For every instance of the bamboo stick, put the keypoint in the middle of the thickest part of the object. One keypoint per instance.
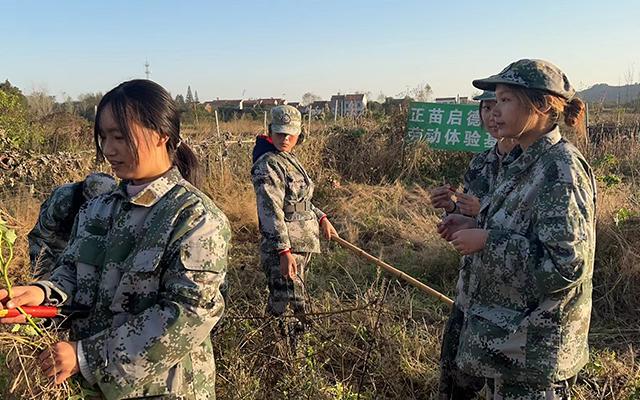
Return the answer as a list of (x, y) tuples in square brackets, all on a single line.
[(394, 271)]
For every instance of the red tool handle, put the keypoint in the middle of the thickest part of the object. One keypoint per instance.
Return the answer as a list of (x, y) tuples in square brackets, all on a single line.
[(34, 311)]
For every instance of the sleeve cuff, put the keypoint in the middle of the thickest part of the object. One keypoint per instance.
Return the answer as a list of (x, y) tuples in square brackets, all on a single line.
[(52, 295), (83, 365), (285, 251), (322, 218)]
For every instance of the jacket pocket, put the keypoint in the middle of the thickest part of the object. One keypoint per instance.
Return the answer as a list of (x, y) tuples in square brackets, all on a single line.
[(496, 335), (307, 215), (89, 260), (139, 284)]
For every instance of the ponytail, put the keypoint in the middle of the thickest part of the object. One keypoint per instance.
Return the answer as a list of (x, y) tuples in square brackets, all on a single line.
[(187, 163), (574, 115), (541, 102)]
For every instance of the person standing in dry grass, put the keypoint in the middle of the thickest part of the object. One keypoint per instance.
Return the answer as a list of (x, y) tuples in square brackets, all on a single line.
[(479, 182), (147, 260), (289, 222), (526, 324), (51, 233)]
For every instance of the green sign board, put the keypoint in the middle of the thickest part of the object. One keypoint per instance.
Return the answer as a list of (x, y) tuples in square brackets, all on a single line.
[(448, 127)]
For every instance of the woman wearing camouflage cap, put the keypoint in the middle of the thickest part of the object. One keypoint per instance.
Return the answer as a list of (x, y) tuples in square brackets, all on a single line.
[(527, 320), (146, 259), (289, 222), (482, 170), (479, 182)]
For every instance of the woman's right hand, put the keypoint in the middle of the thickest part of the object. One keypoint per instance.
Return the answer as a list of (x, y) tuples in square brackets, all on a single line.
[(288, 266), (468, 204), (453, 223), (22, 296), (441, 197)]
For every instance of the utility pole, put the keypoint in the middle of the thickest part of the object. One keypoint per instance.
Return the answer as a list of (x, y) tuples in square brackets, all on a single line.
[(147, 71)]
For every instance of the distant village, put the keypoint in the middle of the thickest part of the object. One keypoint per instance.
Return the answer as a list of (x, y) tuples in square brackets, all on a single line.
[(340, 105)]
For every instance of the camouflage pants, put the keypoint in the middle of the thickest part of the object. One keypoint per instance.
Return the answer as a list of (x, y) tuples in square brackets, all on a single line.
[(283, 290), (454, 384), (497, 389)]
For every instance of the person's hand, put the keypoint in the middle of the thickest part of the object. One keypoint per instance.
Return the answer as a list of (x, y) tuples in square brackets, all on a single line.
[(468, 204), (60, 361), (469, 241), (327, 229), (441, 198), (452, 223), (22, 296), (288, 266)]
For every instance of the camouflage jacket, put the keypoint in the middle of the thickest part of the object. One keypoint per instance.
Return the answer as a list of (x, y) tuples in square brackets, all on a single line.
[(530, 287), (52, 230), (150, 269), (288, 219), (50, 235), (479, 181)]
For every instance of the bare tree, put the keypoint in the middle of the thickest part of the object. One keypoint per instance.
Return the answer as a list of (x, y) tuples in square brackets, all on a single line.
[(40, 103), (422, 92), (629, 80), (309, 98)]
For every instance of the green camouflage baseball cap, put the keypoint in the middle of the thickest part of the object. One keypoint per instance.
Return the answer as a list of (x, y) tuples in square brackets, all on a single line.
[(531, 74), (486, 95), (96, 184), (286, 119)]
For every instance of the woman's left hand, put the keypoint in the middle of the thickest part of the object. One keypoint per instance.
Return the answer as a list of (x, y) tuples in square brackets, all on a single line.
[(327, 229), (469, 241), (60, 361)]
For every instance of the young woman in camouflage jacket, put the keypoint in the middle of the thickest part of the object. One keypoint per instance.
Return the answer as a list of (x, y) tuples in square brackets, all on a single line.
[(290, 223), (147, 260), (479, 182), (527, 320)]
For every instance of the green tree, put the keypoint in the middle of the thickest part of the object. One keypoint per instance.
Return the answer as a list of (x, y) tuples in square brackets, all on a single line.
[(182, 105), (7, 87), (189, 98), (14, 118)]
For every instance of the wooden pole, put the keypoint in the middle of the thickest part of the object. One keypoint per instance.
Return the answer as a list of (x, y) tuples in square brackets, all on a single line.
[(265, 123), (217, 122), (221, 144), (399, 274)]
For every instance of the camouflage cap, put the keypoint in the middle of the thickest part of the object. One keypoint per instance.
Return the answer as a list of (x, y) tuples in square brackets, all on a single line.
[(286, 119), (531, 74), (96, 184), (486, 95)]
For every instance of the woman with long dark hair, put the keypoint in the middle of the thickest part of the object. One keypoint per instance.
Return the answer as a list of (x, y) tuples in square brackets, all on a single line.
[(147, 260)]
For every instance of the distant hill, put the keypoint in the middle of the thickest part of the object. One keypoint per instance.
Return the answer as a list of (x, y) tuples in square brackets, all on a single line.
[(610, 94)]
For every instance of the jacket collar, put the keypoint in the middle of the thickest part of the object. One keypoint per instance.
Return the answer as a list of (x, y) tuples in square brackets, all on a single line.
[(509, 177), (151, 194)]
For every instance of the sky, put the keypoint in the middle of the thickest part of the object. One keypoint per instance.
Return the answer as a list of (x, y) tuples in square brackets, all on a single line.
[(285, 48)]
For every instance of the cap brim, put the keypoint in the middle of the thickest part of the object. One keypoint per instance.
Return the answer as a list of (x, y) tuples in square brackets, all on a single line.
[(487, 83), (485, 96), (287, 129)]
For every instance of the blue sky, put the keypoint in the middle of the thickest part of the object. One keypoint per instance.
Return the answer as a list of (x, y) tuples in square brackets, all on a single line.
[(274, 48)]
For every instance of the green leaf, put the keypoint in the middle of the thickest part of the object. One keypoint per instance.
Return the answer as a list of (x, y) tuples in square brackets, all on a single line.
[(10, 236)]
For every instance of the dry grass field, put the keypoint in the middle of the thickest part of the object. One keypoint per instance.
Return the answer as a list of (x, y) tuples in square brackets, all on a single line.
[(373, 337)]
